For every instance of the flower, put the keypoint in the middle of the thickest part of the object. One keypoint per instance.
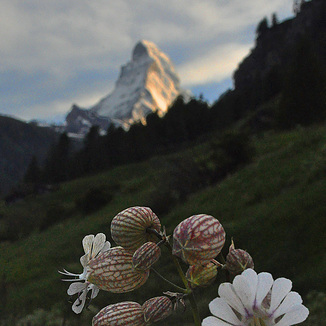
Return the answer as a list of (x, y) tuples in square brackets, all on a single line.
[(113, 271), (120, 314), (256, 300), (199, 275), (156, 309), (237, 260), (93, 246), (146, 256), (198, 239), (129, 227)]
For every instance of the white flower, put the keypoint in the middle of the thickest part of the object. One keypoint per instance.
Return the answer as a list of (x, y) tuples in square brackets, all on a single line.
[(256, 300), (92, 247)]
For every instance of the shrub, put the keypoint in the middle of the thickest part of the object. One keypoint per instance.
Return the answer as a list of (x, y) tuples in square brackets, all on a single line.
[(93, 199)]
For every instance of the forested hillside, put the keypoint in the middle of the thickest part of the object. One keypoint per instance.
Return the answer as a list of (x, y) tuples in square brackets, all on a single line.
[(19, 142), (273, 207)]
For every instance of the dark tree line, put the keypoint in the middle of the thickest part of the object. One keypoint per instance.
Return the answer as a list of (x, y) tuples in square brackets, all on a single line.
[(183, 123)]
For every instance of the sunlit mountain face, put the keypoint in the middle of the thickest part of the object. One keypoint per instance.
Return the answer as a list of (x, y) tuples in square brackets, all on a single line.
[(147, 83)]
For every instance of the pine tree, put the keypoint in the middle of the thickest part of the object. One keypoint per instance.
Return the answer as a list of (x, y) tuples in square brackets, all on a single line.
[(303, 96), (262, 27)]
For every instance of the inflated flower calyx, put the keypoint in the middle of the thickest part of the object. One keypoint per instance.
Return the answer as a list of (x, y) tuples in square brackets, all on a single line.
[(157, 308), (237, 260), (199, 275), (145, 256), (113, 271), (120, 314), (128, 228), (198, 239)]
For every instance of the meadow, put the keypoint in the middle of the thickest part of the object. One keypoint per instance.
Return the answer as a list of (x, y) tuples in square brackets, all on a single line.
[(274, 207)]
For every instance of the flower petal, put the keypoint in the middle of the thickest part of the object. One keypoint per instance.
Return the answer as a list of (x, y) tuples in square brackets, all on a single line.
[(281, 287), (76, 288), (98, 244), (222, 310), (213, 321), (265, 282), (226, 291), (244, 292), (88, 243), (106, 247), (252, 279), (298, 314), (291, 300), (95, 290), (84, 260), (79, 304)]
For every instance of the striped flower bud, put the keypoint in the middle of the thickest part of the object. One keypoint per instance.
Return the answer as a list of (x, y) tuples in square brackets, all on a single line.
[(156, 309), (128, 228), (198, 239), (237, 260), (145, 256), (113, 271), (120, 314), (199, 275)]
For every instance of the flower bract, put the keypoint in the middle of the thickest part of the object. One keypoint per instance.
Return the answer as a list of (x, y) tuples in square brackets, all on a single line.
[(198, 239), (120, 314), (129, 227), (237, 260), (156, 309), (256, 300), (113, 271)]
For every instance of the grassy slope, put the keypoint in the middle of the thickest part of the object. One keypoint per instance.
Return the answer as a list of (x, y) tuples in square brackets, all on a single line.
[(275, 208)]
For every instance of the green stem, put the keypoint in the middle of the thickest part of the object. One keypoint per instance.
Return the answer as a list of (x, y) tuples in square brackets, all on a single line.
[(194, 308), (193, 304), (189, 291), (182, 290)]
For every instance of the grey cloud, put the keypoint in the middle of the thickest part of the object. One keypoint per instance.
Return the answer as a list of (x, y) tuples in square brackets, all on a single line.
[(66, 39)]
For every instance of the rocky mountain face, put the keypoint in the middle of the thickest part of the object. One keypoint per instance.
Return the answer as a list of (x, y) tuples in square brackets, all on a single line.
[(148, 83)]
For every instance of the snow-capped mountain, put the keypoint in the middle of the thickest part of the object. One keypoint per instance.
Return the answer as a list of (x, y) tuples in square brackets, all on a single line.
[(148, 83)]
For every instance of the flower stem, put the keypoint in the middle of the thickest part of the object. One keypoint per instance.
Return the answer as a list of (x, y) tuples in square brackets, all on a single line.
[(194, 308), (182, 290), (193, 304), (188, 290)]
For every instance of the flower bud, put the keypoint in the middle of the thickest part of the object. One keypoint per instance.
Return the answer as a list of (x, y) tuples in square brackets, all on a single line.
[(156, 309), (120, 314), (198, 239), (113, 271), (237, 260), (199, 275), (128, 228), (145, 256)]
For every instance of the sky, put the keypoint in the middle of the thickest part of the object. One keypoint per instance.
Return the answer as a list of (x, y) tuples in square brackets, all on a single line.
[(55, 53)]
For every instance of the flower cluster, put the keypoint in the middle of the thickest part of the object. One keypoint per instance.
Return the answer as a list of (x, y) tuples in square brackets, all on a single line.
[(252, 300)]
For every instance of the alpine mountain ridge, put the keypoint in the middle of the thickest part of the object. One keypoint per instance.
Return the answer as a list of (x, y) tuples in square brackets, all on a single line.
[(147, 83)]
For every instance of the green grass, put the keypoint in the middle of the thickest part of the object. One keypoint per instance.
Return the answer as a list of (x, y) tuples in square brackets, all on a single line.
[(275, 208)]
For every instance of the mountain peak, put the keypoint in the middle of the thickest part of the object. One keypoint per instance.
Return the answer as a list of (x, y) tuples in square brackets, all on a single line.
[(146, 48), (147, 83)]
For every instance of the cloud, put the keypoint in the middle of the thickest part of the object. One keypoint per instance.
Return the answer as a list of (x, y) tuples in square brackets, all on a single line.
[(69, 43), (60, 107), (213, 66)]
